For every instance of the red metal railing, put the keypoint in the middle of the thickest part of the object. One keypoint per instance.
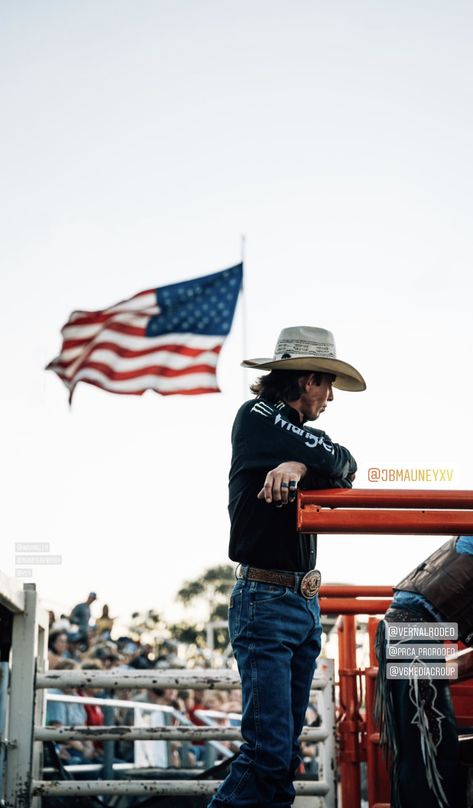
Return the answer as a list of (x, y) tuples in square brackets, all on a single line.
[(338, 510), (367, 511), (343, 599)]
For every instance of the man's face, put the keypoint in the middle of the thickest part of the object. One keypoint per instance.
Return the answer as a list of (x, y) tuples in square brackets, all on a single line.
[(315, 397)]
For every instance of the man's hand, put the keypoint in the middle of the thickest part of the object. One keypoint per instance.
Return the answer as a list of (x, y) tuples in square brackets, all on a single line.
[(280, 485)]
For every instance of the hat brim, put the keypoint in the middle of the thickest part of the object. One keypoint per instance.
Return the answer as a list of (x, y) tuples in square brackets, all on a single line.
[(347, 377)]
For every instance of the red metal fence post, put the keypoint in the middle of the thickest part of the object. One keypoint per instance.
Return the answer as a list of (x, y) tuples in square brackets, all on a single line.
[(350, 722), (377, 775)]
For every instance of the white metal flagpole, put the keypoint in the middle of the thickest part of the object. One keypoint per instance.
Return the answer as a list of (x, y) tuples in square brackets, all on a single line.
[(244, 317)]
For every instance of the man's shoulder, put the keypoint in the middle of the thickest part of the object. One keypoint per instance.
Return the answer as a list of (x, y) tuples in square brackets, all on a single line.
[(255, 407), (314, 431)]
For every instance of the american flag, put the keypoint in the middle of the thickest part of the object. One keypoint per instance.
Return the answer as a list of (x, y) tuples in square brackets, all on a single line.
[(166, 339)]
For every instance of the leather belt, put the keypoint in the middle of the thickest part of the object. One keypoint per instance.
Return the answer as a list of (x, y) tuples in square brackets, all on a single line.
[(308, 584)]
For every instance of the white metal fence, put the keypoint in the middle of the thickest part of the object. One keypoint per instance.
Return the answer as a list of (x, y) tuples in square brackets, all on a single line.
[(22, 706)]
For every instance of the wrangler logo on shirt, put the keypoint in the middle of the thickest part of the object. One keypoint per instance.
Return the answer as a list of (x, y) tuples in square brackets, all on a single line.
[(309, 438)]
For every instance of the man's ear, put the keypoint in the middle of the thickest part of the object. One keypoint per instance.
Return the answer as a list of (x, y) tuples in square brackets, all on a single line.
[(309, 381)]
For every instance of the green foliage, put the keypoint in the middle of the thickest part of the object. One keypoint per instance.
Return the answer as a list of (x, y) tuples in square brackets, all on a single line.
[(145, 622), (214, 581), (213, 588), (190, 591), (188, 634), (220, 611)]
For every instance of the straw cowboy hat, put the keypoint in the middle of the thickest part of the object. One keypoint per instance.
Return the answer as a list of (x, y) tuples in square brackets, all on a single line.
[(303, 347)]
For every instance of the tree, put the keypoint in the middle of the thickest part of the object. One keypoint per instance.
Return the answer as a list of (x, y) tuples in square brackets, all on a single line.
[(213, 589)]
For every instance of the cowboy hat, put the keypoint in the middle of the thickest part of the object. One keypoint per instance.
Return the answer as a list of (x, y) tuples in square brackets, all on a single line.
[(313, 349)]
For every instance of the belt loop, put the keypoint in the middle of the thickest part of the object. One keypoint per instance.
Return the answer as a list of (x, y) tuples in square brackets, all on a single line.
[(244, 571), (297, 581)]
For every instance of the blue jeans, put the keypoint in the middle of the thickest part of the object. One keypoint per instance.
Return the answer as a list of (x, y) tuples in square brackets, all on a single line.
[(275, 634)]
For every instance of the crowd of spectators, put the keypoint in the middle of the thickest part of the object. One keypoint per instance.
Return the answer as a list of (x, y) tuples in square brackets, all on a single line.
[(77, 643)]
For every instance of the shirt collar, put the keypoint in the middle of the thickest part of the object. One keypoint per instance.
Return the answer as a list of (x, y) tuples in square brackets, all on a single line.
[(289, 412)]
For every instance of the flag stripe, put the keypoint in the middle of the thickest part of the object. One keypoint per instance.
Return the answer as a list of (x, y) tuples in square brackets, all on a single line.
[(176, 362), (191, 392), (148, 370), (107, 348), (197, 341), (135, 327), (81, 318), (71, 344), (160, 384), (140, 302)]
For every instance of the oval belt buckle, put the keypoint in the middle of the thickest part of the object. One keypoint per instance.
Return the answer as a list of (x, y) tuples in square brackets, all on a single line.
[(310, 584)]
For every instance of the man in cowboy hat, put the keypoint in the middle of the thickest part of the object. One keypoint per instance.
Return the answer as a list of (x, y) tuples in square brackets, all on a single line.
[(274, 617)]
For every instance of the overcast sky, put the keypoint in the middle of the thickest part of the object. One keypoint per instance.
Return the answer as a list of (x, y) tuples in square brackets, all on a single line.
[(139, 141)]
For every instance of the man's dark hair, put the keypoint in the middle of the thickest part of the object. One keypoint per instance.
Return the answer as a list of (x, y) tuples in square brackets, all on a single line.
[(53, 637), (283, 384)]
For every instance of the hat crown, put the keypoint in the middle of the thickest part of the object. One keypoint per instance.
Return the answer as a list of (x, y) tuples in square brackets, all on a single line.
[(305, 341)]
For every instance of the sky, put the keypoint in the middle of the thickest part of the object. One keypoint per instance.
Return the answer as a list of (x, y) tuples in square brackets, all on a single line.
[(139, 142)]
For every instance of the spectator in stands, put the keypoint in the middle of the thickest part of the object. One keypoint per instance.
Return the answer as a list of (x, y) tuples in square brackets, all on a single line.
[(125, 717), (156, 718), (80, 617), (171, 697), (107, 654), (57, 648), (69, 714), (198, 705), (141, 660), (169, 655), (74, 647), (158, 695), (126, 645), (185, 702), (233, 703), (127, 650), (213, 700), (94, 713), (104, 623)]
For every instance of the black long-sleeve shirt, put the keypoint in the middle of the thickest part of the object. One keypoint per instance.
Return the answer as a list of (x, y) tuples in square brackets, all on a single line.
[(263, 436)]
